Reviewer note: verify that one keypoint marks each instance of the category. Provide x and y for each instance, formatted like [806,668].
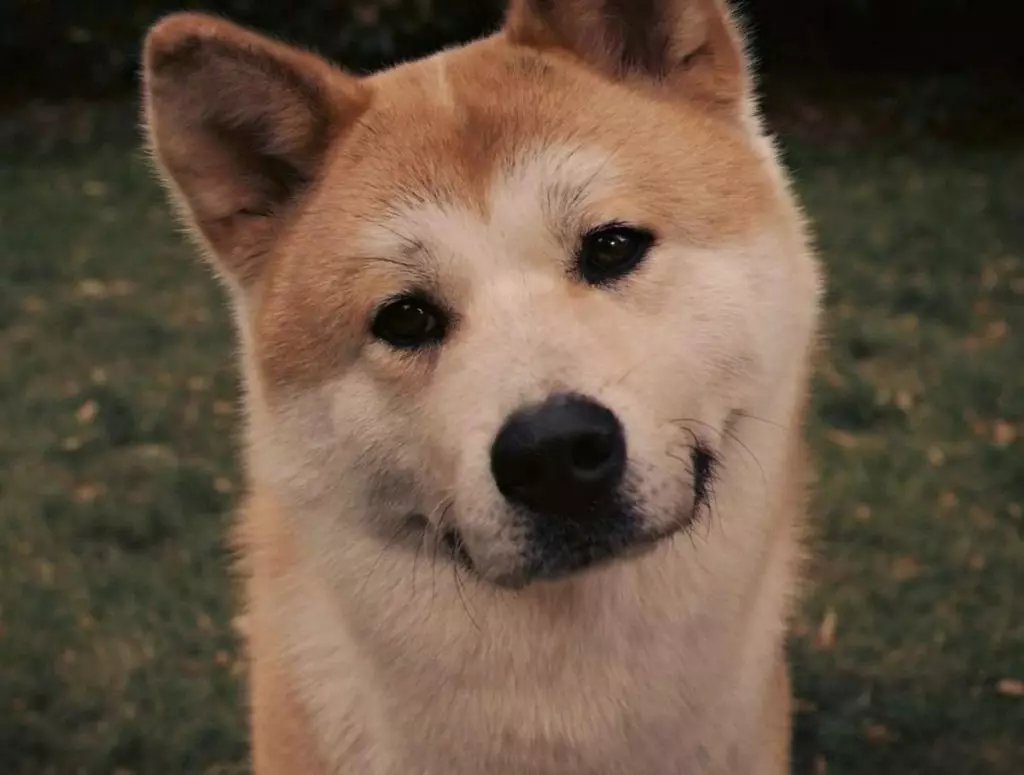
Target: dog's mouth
[555,550]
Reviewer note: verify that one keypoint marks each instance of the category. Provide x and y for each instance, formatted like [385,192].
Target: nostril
[590,453]
[523,471]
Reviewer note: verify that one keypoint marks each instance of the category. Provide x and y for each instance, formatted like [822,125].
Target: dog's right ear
[239,125]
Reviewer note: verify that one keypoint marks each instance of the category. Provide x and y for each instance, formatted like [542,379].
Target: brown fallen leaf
[91,289]
[87,412]
[878,733]
[87,493]
[827,630]
[94,188]
[905,568]
[989,278]
[1010,687]
[904,400]
[996,330]
[843,439]
[33,304]
[1003,433]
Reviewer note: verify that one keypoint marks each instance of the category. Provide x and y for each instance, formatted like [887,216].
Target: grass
[117,469]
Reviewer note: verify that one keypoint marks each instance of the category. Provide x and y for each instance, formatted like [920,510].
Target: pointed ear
[239,126]
[692,47]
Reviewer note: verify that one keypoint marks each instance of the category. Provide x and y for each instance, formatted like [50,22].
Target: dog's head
[514,293]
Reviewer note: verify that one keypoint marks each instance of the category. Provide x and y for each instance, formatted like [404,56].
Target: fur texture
[471,177]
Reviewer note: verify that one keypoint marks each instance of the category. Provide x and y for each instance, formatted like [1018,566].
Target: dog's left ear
[691,47]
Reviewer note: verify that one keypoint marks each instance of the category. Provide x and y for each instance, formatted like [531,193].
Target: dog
[526,330]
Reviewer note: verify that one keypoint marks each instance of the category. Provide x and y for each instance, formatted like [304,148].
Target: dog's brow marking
[558,180]
[552,185]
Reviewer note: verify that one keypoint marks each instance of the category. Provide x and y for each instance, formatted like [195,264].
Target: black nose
[559,457]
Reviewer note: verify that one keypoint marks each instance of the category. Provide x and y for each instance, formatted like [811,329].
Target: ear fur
[691,47]
[239,126]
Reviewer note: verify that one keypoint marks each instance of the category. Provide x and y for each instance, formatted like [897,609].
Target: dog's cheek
[726,332]
[340,450]
[380,444]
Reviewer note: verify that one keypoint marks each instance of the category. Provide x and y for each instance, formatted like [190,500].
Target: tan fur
[471,176]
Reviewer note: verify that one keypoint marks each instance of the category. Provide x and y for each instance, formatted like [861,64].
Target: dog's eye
[409,322]
[610,252]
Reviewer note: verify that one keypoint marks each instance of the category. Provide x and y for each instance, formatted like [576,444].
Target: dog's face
[511,296]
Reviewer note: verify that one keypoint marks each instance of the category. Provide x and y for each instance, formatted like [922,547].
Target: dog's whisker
[748,416]
[714,508]
[416,557]
[438,535]
[621,378]
[459,587]
[732,436]
[422,542]
[679,459]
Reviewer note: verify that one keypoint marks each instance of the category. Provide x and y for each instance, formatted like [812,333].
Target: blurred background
[903,121]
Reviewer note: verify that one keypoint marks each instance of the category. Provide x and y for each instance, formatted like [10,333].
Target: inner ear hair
[692,47]
[239,125]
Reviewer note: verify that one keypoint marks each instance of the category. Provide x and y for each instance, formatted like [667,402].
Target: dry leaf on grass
[1003,433]
[905,568]
[1010,687]
[827,630]
[87,412]
[878,733]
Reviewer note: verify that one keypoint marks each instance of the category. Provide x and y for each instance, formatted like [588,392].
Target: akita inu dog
[526,329]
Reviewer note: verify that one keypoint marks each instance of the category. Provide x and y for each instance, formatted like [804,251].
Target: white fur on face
[673,349]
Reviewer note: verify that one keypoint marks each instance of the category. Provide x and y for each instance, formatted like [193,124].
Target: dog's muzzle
[562,466]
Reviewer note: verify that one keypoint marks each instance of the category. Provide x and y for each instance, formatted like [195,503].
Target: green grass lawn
[117,470]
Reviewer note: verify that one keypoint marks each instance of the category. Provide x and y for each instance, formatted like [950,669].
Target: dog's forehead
[478,127]
[442,128]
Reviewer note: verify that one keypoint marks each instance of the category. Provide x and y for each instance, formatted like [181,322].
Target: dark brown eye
[610,252]
[409,322]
